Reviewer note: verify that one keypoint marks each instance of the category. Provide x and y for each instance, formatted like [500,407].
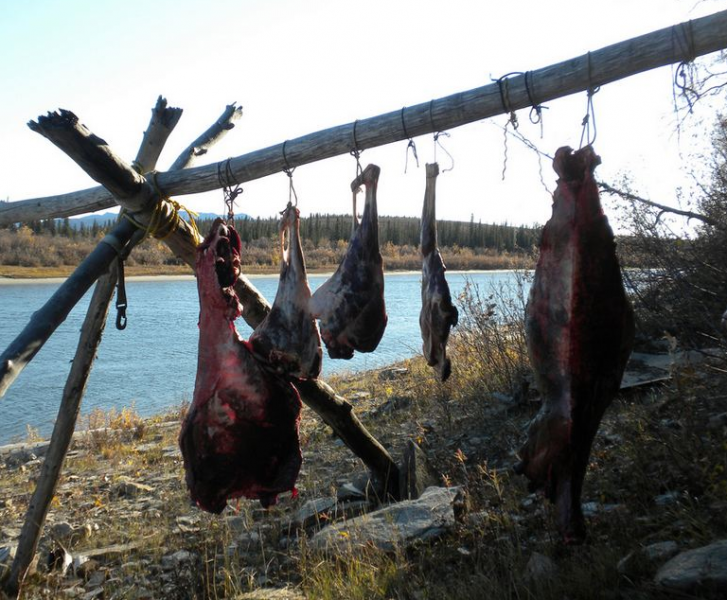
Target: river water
[152,363]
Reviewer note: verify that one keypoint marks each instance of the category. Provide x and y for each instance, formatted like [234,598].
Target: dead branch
[214,134]
[663,208]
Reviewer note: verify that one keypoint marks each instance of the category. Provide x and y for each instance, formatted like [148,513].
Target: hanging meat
[240,436]
[350,305]
[438,314]
[288,338]
[579,326]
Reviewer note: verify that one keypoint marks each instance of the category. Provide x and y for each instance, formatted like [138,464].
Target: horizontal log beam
[670,45]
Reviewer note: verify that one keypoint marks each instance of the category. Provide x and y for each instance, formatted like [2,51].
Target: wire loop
[589,119]
[355,151]
[411,145]
[231,189]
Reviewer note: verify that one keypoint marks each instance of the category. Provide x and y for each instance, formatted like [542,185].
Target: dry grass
[650,443]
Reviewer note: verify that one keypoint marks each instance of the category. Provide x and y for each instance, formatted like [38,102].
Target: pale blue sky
[300,66]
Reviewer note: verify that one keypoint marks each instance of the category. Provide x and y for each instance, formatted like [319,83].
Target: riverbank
[14,273]
[656,488]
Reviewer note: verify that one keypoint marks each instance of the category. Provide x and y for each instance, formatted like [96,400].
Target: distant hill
[109,218]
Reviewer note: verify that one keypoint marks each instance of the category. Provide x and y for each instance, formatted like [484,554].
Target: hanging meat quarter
[438,314]
[350,305]
[579,329]
[288,339]
[240,436]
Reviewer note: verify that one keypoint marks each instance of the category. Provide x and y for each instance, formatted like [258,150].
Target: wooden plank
[666,46]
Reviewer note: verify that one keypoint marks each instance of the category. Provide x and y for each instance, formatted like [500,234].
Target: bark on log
[163,121]
[666,46]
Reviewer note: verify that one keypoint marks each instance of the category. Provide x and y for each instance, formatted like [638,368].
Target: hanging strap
[121,303]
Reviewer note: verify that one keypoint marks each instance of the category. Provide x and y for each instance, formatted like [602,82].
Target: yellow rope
[162,228]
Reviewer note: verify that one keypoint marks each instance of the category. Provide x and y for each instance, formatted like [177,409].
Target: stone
[97,578]
[394,526]
[391,373]
[130,489]
[540,570]
[702,570]
[717,422]
[415,475]
[62,531]
[92,594]
[647,559]
[180,558]
[171,452]
[7,554]
[667,499]
[313,511]
[271,594]
[591,509]
[348,491]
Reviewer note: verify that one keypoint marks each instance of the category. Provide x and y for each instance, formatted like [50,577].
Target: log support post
[162,123]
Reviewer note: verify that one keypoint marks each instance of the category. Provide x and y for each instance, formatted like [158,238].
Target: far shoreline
[41,279]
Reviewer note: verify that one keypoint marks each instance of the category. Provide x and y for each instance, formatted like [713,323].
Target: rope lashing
[165,219]
[356,151]
[535,108]
[684,75]
[121,254]
[288,170]
[411,145]
[436,135]
[590,117]
[231,189]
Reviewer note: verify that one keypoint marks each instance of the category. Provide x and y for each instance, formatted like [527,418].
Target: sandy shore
[328,273]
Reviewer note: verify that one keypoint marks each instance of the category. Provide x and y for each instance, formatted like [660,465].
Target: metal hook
[503,86]
[287,169]
[590,116]
[535,108]
[411,145]
[438,143]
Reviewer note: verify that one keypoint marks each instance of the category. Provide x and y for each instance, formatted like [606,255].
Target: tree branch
[663,208]
[214,134]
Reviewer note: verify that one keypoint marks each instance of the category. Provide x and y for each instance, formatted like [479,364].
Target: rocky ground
[121,524]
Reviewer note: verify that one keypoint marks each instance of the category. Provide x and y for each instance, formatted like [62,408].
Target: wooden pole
[214,134]
[75,387]
[163,121]
[683,42]
[46,320]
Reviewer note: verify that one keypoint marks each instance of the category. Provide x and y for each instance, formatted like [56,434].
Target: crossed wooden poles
[144,203]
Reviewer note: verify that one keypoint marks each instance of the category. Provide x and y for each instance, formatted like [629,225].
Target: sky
[300,66]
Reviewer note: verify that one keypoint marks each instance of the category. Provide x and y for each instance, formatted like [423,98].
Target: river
[152,363]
